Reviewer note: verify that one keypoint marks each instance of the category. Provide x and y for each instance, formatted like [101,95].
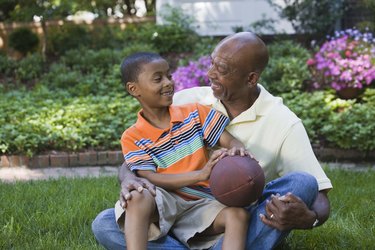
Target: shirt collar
[153,133]
[261,106]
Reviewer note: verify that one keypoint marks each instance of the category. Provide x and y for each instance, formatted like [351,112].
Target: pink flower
[344,61]
[310,62]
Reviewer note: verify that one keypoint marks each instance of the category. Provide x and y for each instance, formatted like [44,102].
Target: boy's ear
[132,89]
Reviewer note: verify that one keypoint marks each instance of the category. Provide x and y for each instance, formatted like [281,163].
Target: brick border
[115,158]
[63,160]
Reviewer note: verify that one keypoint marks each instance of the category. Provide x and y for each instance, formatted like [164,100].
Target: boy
[167,145]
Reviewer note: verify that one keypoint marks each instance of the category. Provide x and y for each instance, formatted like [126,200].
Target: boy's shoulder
[131,133]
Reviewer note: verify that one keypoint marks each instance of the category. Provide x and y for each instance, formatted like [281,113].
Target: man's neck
[236,107]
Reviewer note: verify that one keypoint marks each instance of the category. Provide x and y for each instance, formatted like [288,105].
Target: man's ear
[131,88]
[252,79]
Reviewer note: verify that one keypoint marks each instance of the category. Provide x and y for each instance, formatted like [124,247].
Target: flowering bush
[345,60]
[192,75]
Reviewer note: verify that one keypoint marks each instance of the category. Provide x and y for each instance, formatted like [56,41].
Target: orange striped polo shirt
[178,149]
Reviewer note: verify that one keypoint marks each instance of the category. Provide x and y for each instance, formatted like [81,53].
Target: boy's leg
[109,235]
[138,216]
[261,236]
[233,222]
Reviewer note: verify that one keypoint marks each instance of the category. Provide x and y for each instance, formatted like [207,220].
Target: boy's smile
[155,88]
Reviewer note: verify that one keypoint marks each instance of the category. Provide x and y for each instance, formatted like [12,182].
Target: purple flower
[192,75]
[344,60]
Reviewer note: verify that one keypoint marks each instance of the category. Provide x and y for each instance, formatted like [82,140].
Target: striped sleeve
[213,124]
[135,157]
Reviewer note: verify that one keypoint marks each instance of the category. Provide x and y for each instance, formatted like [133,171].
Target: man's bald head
[247,49]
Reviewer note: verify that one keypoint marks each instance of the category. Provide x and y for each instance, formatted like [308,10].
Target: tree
[25,11]
[317,17]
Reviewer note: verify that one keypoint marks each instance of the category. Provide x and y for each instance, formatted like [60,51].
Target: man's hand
[241,151]
[287,212]
[131,183]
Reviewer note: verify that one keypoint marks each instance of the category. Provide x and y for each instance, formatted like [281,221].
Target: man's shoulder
[275,111]
[202,95]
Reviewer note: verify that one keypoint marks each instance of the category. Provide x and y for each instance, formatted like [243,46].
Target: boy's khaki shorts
[183,218]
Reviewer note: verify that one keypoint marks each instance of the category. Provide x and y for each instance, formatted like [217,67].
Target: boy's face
[154,88]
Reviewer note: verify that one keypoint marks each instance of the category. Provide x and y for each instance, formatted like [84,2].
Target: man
[295,196]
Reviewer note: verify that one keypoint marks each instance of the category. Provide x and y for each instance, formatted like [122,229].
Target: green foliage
[67,37]
[88,61]
[30,68]
[173,38]
[352,127]
[312,109]
[42,120]
[7,66]
[286,69]
[305,16]
[23,40]
[137,47]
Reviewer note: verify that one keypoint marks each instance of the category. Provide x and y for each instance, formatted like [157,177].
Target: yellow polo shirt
[270,131]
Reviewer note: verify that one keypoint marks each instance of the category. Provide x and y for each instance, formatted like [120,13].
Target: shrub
[285,71]
[345,60]
[23,40]
[87,60]
[352,128]
[43,120]
[67,37]
[30,68]
[137,47]
[173,38]
[7,66]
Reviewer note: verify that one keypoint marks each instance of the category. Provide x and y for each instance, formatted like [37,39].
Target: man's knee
[299,183]
[99,224]
[304,180]
[303,185]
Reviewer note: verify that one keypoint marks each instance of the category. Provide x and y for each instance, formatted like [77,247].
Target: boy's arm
[176,181]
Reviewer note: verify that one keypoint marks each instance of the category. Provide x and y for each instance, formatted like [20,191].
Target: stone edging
[343,155]
[64,160]
[115,158]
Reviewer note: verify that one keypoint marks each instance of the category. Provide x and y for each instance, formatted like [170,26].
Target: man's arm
[129,182]
[296,154]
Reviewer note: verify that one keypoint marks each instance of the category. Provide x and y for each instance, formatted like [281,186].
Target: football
[237,181]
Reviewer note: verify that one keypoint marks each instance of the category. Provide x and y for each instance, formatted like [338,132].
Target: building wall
[219,18]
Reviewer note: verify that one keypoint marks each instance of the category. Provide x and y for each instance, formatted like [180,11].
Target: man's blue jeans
[259,236]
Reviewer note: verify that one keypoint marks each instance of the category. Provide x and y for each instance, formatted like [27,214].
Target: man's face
[226,76]
[155,88]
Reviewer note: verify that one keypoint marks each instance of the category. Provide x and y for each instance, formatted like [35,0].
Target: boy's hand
[205,172]
[134,183]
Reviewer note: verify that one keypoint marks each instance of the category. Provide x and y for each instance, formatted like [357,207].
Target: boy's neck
[159,118]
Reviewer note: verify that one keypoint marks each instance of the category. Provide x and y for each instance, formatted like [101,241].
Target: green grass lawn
[57,214]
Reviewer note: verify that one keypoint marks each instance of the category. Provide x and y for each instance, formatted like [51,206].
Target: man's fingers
[150,187]
[268,221]
[289,197]
[124,198]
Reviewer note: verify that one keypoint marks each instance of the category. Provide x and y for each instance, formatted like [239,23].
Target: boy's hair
[131,66]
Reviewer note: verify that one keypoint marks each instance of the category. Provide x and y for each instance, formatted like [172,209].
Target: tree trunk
[44,40]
